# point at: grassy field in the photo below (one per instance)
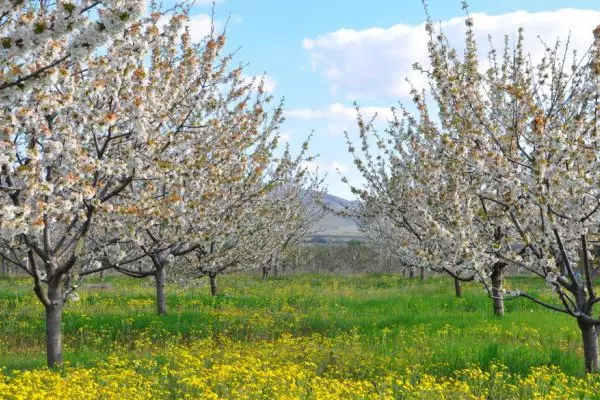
(301, 337)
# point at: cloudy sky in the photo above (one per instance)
(322, 55)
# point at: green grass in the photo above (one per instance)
(420, 323)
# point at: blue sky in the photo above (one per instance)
(323, 55)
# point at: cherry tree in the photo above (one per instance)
(219, 170)
(522, 139)
(528, 132)
(94, 149)
(415, 206)
(270, 215)
(297, 210)
(37, 36)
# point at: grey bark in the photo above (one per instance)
(589, 334)
(457, 287)
(54, 326)
(161, 300)
(411, 273)
(422, 273)
(213, 284)
(497, 295)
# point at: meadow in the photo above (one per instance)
(297, 337)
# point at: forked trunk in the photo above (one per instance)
(457, 287)
(497, 295)
(161, 300)
(54, 326)
(589, 334)
(213, 284)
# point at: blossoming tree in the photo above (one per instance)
(529, 135)
(61, 161)
(38, 36)
(104, 147)
(220, 173)
(298, 206)
(522, 139)
(271, 214)
(220, 134)
(415, 206)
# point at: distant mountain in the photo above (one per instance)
(335, 227)
(335, 201)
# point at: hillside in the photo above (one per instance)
(334, 227)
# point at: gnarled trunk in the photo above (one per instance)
(159, 279)
(497, 295)
(213, 284)
(54, 326)
(589, 334)
(457, 287)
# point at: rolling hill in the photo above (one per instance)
(334, 227)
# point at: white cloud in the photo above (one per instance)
(270, 85)
(337, 112)
(375, 62)
(338, 118)
(285, 137)
(339, 166)
(200, 25)
(325, 167)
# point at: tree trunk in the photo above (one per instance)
(4, 270)
(411, 273)
(589, 334)
(422, 273)
(497, 295)
(161, 300)
(457, 287)
(213, 284)
(265, 273)
(275, 271)
(102, 275)
(54, 326)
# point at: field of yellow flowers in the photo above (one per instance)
(302, 337)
